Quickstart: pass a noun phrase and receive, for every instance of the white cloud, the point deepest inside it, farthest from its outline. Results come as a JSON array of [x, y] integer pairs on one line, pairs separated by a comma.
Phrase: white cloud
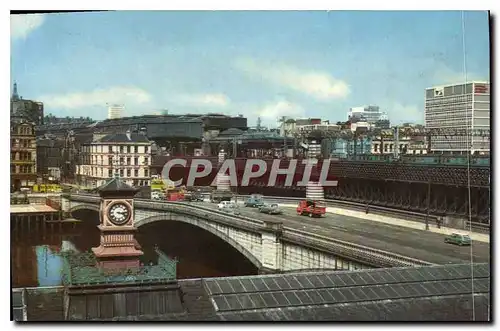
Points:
[[444, 75], [319, 85], [273, 111], [21, 25], [400, 113], [99, 97], [202, 100]]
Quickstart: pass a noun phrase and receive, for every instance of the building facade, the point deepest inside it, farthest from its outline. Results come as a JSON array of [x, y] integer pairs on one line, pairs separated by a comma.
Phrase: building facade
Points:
[[370, 114], [115, 111], [389, 146], [464, 106], [22, 154], [50, 157], [128, 154]]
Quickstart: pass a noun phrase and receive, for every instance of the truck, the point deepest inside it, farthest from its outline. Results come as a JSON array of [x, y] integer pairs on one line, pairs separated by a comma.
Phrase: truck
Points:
[[218, 196], [311, 208]]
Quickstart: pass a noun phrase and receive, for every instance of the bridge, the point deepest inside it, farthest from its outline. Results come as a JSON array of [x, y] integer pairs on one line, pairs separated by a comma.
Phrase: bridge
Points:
[[289, 242]]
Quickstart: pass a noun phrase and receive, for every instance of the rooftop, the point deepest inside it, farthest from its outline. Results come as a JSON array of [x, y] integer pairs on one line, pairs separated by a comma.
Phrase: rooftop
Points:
[[459, 83], [124, 138], [421, 293]]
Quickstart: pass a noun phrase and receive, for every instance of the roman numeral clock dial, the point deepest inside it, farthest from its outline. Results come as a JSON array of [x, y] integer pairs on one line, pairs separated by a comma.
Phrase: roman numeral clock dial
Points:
[[119, 213]]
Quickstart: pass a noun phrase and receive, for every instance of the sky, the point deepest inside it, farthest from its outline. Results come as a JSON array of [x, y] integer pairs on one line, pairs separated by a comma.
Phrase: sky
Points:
[[267, 64]]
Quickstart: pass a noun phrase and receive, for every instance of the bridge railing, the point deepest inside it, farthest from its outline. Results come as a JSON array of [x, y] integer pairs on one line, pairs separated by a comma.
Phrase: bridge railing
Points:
[[378, 257], [342, 248]]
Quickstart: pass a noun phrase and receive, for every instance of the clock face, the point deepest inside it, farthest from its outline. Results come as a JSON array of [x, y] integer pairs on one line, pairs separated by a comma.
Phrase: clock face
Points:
[[119, 213]]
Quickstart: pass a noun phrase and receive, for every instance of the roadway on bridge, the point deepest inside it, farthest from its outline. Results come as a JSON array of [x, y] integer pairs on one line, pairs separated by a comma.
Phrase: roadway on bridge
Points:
[[410, 242]]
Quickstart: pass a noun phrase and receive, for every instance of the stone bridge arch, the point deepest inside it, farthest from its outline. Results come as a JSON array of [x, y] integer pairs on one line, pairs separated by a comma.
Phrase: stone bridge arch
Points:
[[84, 206], [202, 223]]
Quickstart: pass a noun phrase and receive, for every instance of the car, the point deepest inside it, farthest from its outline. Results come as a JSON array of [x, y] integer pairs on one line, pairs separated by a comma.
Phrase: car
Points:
[[271, 209], [231, 209], [255, 200], [224, 204], [458, 239]]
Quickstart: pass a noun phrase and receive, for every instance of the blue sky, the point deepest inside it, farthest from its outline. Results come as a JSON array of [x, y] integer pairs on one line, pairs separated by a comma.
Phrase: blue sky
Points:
[[268, 64]]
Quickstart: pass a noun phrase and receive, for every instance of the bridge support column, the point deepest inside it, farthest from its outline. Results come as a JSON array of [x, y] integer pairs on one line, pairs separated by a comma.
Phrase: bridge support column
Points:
[[272, 261]]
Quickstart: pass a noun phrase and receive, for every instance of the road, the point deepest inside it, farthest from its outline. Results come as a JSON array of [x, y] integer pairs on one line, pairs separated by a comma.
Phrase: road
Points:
[[410, 242]]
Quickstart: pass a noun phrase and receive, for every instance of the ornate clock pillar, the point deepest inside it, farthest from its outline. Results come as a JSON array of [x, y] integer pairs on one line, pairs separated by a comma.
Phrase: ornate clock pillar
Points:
[[118, 248]]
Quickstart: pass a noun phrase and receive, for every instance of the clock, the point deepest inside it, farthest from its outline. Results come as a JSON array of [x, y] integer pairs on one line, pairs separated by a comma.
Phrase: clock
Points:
[[119, 213]]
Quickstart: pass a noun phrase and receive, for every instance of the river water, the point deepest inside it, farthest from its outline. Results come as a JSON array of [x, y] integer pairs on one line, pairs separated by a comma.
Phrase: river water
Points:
[[36, 259]]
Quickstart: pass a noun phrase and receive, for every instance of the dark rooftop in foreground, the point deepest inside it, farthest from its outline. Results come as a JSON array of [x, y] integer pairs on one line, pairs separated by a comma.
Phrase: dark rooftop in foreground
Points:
[[430, 293], [402, 294]]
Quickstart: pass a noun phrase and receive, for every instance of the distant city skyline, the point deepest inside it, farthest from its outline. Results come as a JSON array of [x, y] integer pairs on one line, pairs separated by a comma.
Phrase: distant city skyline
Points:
[[267, 64]]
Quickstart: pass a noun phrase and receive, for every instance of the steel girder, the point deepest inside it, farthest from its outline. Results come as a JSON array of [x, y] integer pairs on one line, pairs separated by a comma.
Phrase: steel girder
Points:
[[446, 175], [444, 200]]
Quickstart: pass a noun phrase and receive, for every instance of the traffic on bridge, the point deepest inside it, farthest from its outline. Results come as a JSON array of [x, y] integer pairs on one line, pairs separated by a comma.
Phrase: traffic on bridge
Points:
[[418, 244]]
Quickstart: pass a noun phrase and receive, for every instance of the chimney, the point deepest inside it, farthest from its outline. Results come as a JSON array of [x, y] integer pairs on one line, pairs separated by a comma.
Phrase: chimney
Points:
[[128, 135]]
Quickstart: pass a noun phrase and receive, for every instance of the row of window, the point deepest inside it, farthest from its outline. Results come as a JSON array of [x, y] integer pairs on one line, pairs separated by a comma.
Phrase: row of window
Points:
[[24, 130], [449, 100], [389, 148], [100, 172], [22, 169], [94, 160], [109, 149], [21, 156], [22, 143]]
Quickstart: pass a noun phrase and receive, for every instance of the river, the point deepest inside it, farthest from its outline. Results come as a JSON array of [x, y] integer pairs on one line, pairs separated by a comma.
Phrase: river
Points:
[[36, 259]]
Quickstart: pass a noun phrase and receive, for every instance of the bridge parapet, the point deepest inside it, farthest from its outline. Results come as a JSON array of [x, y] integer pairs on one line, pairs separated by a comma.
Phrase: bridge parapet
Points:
[[268, 244]]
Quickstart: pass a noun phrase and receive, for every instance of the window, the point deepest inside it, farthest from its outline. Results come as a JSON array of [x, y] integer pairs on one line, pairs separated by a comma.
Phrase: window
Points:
[[121, 149], [102, 160], [146, 173], [110, 149], [458, 89], [110, 173], [146, 161], [136, 149], [429, 93], [128, 149], [121, 172], [121, 161], [146, 149], [128, 161], [136, 173], [136, 161], [468, 88], [448, 91], [128, 173], [110, 160]]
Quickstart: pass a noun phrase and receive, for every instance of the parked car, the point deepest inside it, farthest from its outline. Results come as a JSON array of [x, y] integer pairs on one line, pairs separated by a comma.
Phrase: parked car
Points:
[[271, 209], [458, 239], [255, 200]]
